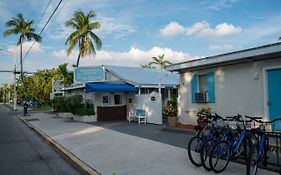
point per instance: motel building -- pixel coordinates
(246, 82)
(116, 91)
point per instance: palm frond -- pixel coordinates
(10, 32)
(72, 43)
(31, 35)
(94, 25)
(96, 39)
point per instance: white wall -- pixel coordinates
(153, 109)
(238, 89)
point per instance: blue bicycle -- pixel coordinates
(196, 143)
(256, 155)
(230, 147)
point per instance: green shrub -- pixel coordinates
(83, 111)
(171, 109)
(72, 104)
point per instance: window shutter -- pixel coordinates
(211, 87)
(194, 84)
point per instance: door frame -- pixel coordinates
(265, 90)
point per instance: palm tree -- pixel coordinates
(160, 60)
(83, 34)
(148, 66)
(19, 26)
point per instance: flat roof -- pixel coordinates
(252, 54)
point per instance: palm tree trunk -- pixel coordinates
(21, 68)
(78, 59)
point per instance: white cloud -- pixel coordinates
(222, 47)
(223, 4)
(172, 29)
(109, 27)
(202, 29)
(197, 27)
(37, 48)
(132, 57)
(221, 30)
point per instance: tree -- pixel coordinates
(160, 60)
(67, 75)
(83, 34)
(19, 26)
(148, 66)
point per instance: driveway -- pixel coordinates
(125, 148)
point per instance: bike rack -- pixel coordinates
(272, 156)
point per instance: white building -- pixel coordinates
(247, 82)
(117, 90)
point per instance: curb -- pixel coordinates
(179, 131)
(75, 162)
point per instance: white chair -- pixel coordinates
(138, 114)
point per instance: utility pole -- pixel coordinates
(15, 78)
(15, 82)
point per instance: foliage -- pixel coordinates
(83, 34)
(171, 109)
(67, 75)
(19, 26)
(159, 60)
(72, 104)
(204, 110)
(84, 110)
(39, 84)
(148, 66)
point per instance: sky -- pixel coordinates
(134, 31)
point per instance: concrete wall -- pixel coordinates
(238, 89)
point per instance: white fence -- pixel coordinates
(152, 104)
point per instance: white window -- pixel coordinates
(203, 83)
(117, 99)
(105, 99)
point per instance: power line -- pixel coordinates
(43, 28)
(43, 13)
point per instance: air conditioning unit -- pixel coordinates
(201, 97)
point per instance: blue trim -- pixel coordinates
(211, 87)
(194, 87)
(109, 87)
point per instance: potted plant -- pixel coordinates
(170, 112)
(202, 115)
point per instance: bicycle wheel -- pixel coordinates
(253, 163)
(193, 150)
(205, 153)
(219, 157)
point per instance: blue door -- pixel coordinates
(274, 96)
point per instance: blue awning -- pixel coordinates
(109, 87)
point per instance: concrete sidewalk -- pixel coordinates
(112, 152)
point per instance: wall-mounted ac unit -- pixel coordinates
(201, 97)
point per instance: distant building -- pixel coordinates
(247, 82)
(117, 90)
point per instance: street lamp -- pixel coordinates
(15, 79)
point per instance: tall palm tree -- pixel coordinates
(83, 34)
(160, 60)
(148, 66)
(19, 26)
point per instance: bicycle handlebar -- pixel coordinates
(272, 121)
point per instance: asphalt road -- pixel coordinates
(23, 152)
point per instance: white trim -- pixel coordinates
(265, 90)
